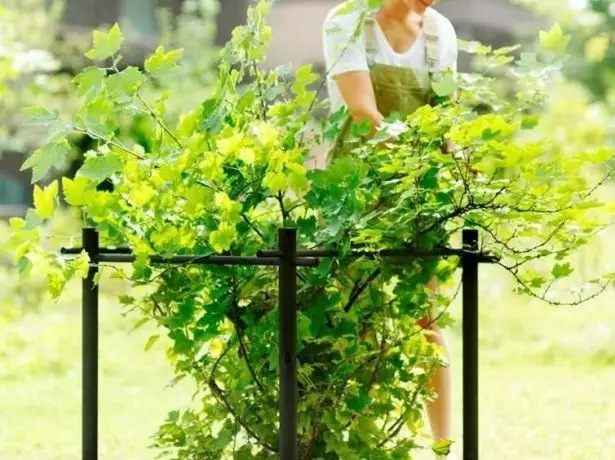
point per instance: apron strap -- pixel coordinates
(432, 42)
(371, 44)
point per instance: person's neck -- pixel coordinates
(398, 10)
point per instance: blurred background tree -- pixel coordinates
(591, 25)
(42, 47)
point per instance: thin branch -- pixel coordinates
(159, 121)
(172, 267)
(555, 303)
(356, 293)
(254, 228)
(397, 426)
(222, 398)
(285, 214)
(242, 345)
(110, 142)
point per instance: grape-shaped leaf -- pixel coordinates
(45, 199)
(106, 44)
(101, 167)
(41, 161)
(222, 238)
(76, 191)
(162, 61)
(554, 40)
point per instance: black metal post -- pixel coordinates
(470, 345)
(89, 304)
(287, 244)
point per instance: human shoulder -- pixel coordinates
(343, 16)
(446, 30)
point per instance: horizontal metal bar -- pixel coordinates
(262, 255)
(402, 252)
(74, 251)
(208, 260)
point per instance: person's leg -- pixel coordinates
(440, 409)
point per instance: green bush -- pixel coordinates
(229, 173)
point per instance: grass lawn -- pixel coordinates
(546, 382)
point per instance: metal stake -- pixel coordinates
(89, 339)
(287, 244)
(470, 346)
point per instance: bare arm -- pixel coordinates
(358, 94)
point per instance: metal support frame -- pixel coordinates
(287, 257)
(469, 280)
(89, 366)
(287, 240)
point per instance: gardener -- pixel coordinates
(387, 69)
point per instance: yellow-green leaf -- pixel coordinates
(554, 40)
(105, 44)
(221, 239)
(45, 199)
(275, 182)
(151, 341)
(142, 194)
(160, 61)
(76, 191)
(81, 264)
(230, 210)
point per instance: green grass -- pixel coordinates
(40, 386)
(546, 380)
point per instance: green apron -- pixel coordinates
(398, 90)
(401, 90)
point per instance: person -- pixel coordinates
(387, 67)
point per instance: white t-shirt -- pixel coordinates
(343, 53)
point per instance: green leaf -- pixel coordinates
(41, 161)
(81, 265)
(101, 167)
(473, 47)
(162, 61)
(297, 178)
(40, 115)
(303, 327)
(276, 182)
(445, 87)
(530, 121)
(151, 341)
(140, 322)
(554, 40)
(97, 118)
(221, 239)
(105, 44)
(90, 82)
(45, 200)
(442, 447)
(562, 270)
(76, 191)
(122, 86)
(359, 402)
(303, 78)
(24, 267)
